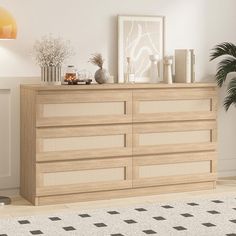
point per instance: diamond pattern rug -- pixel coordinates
(199, 217)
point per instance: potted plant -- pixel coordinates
(50, 54)
(227, 65)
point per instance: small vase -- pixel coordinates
(102, 76)
(154, 68)
(51, 75)
(168, 62)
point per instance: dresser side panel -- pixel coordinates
(27, 144)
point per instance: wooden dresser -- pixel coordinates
(81, 143)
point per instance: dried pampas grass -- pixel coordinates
(97, 60)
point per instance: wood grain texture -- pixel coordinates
(174, 169)
(83, 154)
(171, 94)
(174, 148)
(91, 196)
(174, 116)
(168, 95)
(174, 158)
(40, 88)
(84, 131)
(101, 98)
(81, 131)
(84, 97)
(86, 120)
(28, 144)
(173, 126)
(37, 164)
(170, 159)
(178, 179)
(160, 127)
(42, 168)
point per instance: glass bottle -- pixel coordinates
(71, 75)
(130, 72)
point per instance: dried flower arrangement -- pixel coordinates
(97, 60)
(50, 51)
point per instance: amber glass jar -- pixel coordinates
(71, 75)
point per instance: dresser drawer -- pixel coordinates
(169, 169)
(83, 176)
(69, 143)
(81, 143)
(174, 105)
(80, 108)
(174, 137)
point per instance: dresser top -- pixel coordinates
(116, 86)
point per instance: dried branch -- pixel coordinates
(97, 60)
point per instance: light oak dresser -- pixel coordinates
(81, 143)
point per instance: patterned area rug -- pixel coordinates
(198, 217)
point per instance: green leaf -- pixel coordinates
(223, 49)
(231, 95)
(225, 67)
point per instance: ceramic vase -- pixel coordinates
(168, 62)
(102, 76)
(154, 68)
(51, 75)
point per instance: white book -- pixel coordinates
(184, 72)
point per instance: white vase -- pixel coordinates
(154, 70)
(51, 75)
(168, 78)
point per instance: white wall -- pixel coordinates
(91, 25)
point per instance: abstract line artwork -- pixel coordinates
(141, 39)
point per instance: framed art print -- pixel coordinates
(141, 38)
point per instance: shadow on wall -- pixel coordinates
(226, 137)
(113, 47)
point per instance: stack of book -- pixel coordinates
(184, 66)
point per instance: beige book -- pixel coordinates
(183, 66)
(193, 77)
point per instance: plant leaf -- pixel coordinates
(222, 50)
(225, 67)
(231, 95)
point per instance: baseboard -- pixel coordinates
(226, 173)
(12, 192)
(93, 196)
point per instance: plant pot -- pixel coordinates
(51, 75)
(102, 76)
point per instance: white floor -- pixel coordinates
(203, 213)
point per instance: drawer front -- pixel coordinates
(68, 143)
(83, 176)
(83, 108)
(157, 138)
(174, 169)
(174, 105)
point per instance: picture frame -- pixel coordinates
(139, 37)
